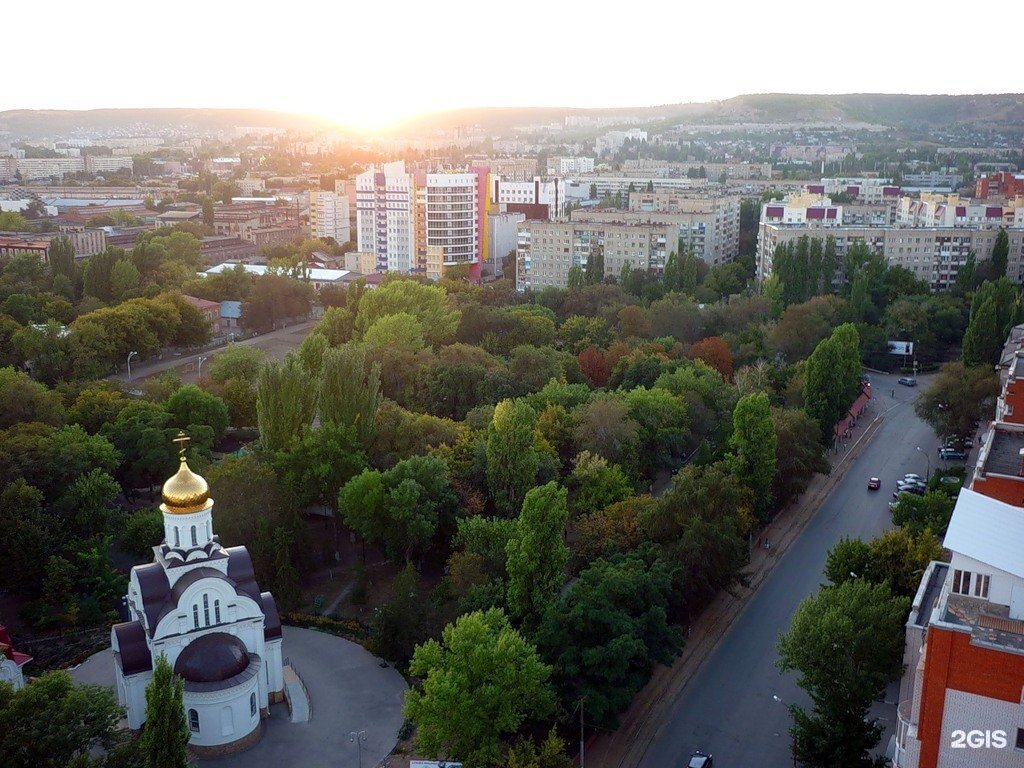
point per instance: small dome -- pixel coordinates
(212, 658)
(185, 492)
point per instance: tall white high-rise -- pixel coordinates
(386, 217)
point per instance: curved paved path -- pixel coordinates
(348, 691)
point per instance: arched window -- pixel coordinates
(216, 611)
(206, 610)
(195, 541)
(193, 721)
(177, 538)
(195, 615)
(252, 705)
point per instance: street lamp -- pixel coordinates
(130, 356)
(929, 460)
(201, 361)
(358, 737)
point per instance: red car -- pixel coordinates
(874, 484)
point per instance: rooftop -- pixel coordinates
(1002, 454)
(987, 530)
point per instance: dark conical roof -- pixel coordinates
(212, 658)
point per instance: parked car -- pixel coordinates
(899, 492)
(951, 453)
(912, 487)
(700, 760)
(874, 484)
(908, 381)
(911, 476)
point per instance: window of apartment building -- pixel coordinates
(962, 582)
(981, 586)
(1019, 742)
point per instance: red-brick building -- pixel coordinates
(1000, 184)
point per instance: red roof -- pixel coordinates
(19, 658)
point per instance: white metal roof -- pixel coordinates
(314, 273)
(987, 530)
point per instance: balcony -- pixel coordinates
(907, 746)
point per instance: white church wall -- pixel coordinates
(218, 708)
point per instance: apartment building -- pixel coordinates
(328, 215)
(385, 217)
(931, 236)
(536, 198)
(663, 168)
(1000, 184)
(405, 218)
(615, 140)
(509, 168)
(570, 166)
(866, 190)
(964, 653)
(547, 250)
(711, 229)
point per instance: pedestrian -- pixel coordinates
(767, 544)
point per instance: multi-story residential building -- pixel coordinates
(385, 216)
(328, 215)
(609, 186)
(964, 652)
(709, 227)
(668, 169)
(509, 168)
(932, 181)
(108, 164)
(405, 218)
(454, 214)
(1001, 184)
(258, 222)
(536, 199)
(614, 140)
(931, 236)
(866, 190)
(570, 166)
(502, 239)
(250, 185)
(547, 250)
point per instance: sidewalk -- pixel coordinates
(625, 747)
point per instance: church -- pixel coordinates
(198, 603)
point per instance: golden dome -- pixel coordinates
(186, 492)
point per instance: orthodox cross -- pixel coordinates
(182, 439)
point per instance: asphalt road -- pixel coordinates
(729, 708)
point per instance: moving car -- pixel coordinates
(908, 381)
(700, 760)
(874, 484)
(951, 453)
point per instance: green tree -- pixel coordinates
(982, 341)
(550, 753)
(798, 453)
(350, 390)
(512, 459)
(1000, 254)
(54, 723)
(285, 403)
(238, 361)
(318, 463)
(595, 483)
(398, 330)
(190, 406)
(480, 683)
(848, 559)
(577, 278)
(12, 222)
(605, 634)
(537, 554)
(595, 268)
(957, 398)
(845, 643)
(832, 378)
(427, 303)
(917, 513)
(24, 400)
(165, 739)
(900, 557)
(754, 442)
(62, 257)
(402, 622)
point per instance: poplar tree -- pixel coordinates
(285, 402)
(537, 554)
(165, 739)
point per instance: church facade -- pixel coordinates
(199, 604)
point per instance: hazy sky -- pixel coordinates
(369, 62)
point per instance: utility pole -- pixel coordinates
(582, 759)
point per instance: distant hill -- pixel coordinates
(994, 112)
